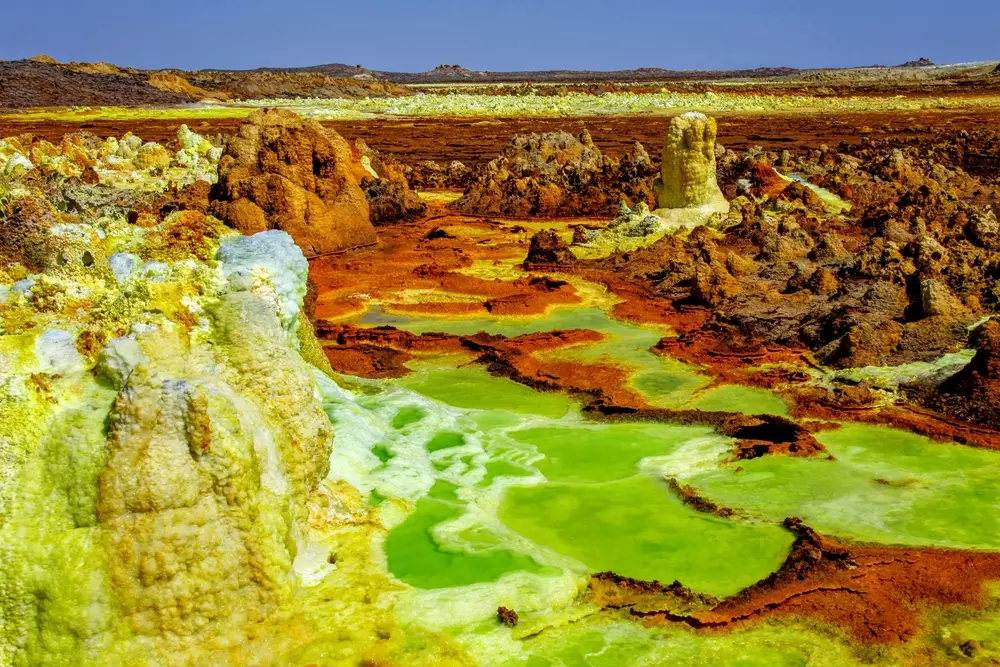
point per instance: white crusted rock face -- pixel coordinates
(687, 175)
(118, 359)
(270, 257)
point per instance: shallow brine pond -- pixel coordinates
(496, 494)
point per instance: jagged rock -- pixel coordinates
(829, 250)
(391, 201)
(973, 394)
(24, 231)
(823, 281)
(797, 192)
(283, 172)
(786, 241)
(390, 198)
(799, 279)
(867, 344)
(548, 248)
(507, 616)
(556, 174)
(882, 259)
(931, 255)
(937, 300)
(885, 298)
(429, 174)
(984, 229)
(713, 284)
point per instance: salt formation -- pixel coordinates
(687, 194)
(283, 172)
(125, 161)
(687, 173)
(164, 434)
(390, 198)
(162, 438)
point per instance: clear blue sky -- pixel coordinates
(416, 35)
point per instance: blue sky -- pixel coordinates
(415, 35)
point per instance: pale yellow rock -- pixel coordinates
(687, 191)
(151, 156)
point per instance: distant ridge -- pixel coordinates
(41, 81)
(920, 62)
(453, 73)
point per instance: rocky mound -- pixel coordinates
(973, 394)
(390, 198)
(445, 71)
(283, 172)
(25, 83)
(557, 174)
(185, 461)
(428, 174)
(547, 248)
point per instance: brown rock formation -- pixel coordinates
(283, 172)
(973, 394)
(557, 174)
(507, 616)
(390, 198)
(547, 248)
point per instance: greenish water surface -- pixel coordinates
(509, 492)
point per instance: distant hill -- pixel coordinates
(41, 81)
(457, 73)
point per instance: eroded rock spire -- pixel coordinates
(687, 175)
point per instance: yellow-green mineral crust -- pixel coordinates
(163, 441)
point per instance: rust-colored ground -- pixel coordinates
(411, 257)
(475, 140)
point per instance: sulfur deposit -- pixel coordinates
(511, 455)
(164, 443)
(162, 437)
(283, 172)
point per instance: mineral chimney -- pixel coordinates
(687, 176)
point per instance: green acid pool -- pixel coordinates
(495, 494)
